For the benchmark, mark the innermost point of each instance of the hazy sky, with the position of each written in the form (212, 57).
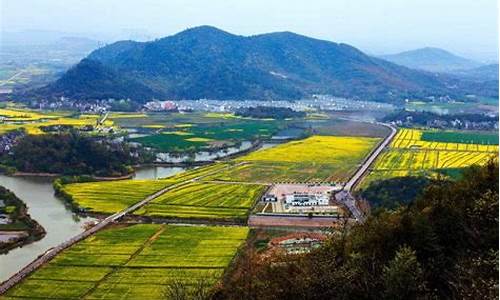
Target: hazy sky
(466, 27)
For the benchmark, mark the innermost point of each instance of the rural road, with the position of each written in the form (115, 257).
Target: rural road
(51, 253)
(345, 196)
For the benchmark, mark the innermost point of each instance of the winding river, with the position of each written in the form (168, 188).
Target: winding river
(58, 220)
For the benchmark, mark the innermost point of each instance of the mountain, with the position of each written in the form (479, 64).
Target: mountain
(432, 60)
(205, 62)
(482, 73)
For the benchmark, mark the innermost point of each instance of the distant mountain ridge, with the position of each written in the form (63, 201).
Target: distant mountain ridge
(432, 60)
(483, 73)
(206, 62)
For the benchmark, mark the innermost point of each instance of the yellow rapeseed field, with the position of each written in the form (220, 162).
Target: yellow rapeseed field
(320, 149)
(32, 121)
(315, 159)
(409, 154)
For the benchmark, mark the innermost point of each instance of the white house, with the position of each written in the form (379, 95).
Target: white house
(307, 199)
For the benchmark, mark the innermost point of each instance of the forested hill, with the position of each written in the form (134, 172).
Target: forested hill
(205, 62)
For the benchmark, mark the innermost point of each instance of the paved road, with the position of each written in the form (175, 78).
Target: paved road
(51, 253)
(345, 195)
(277, 220)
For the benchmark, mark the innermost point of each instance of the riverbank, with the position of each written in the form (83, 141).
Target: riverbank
(17, 228)
(185, 164)
(59, 222)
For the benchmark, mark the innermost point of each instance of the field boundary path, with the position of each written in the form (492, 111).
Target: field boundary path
(51, 253)
(345, 195)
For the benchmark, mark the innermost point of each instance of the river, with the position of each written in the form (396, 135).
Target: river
(59, 222)
(203, 155)
(57, 219)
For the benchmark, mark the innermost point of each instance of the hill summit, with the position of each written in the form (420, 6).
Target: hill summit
(206, 62)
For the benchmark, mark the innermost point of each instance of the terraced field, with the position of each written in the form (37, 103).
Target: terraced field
(315, 159)
(112, 196)
(134, 262)
(206, 201)
(416, 152)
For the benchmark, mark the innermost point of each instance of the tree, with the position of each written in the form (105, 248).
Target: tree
(403, 276)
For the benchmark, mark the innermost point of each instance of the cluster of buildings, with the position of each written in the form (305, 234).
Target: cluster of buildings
(307, 199)
(300, 195)
(161, 106)
(8, 140)
(299, 242)
(300, 198)
(318, 102)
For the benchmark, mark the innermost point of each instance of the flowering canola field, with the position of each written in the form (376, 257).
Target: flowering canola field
(32, 122)
(414, 152)
(314, 159)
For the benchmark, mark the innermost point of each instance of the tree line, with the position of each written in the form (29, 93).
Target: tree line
(71, 153)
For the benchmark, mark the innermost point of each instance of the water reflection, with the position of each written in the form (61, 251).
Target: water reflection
(203, 155)
(156, 172)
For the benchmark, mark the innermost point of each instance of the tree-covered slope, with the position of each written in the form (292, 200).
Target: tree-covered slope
(205, 62)
(444, 245)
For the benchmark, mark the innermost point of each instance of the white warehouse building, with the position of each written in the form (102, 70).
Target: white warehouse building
(307, 199)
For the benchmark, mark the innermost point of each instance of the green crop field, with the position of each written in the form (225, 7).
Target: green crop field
(134, 262)
(112, 196)
(193, 132)
(318, 158)
(206, 201)
(170, 142)
(460, 137)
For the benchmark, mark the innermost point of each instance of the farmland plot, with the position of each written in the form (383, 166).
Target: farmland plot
(416, 152)
(112, 196)
(315, 159)
(139, 261)
(205, 200)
